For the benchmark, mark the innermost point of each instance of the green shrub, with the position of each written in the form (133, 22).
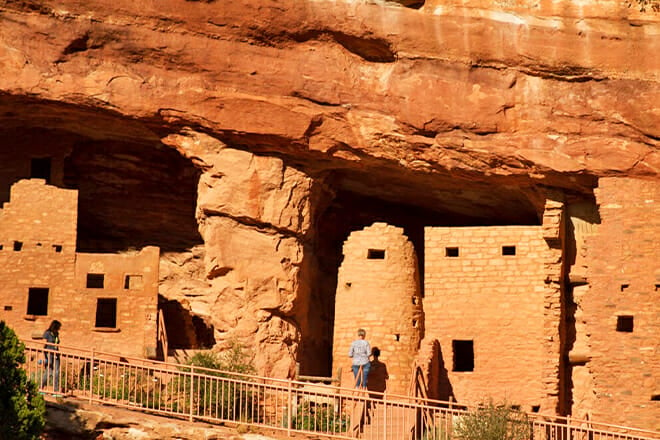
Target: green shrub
(318, 418)
(22, 409)
(218, 398)
(493, 422)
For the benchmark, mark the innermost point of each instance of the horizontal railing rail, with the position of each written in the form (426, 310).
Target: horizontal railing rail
(198, 393)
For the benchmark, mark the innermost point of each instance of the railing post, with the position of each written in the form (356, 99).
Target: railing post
(91, 376)
(289, 409)
(192, 375)
(384, 416)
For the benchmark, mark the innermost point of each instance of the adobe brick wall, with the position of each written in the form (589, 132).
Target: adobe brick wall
(625, 251)
(382, 296)
(41, 217)
(498, 302)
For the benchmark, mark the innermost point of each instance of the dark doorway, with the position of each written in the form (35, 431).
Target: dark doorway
(106, 313)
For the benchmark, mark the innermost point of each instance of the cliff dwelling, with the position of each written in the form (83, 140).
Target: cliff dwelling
(474, 184)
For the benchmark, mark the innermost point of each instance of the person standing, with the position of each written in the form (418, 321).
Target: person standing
(360, 351)
(52, 359)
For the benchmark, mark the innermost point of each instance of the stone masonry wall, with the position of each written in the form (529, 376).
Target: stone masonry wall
(474, 293)
(137, 305)
(378, 290)
(46, 234)
(38, 238)
(621, 306)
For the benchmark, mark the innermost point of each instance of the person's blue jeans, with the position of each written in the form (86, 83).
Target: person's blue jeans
(361, 379)
(52, 376)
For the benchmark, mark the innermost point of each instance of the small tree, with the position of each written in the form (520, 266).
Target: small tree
(22, 409)
(493, 422)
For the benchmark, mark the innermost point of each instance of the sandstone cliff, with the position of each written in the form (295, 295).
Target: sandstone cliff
(247, 138)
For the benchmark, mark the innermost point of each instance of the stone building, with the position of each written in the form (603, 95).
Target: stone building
(378, 290)
(558, 318)
(484, 302)
(105, 301)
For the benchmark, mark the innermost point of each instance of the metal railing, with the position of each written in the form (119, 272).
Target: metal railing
(196, 393)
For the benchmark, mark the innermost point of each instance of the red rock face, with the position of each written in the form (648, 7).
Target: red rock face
(247, 139)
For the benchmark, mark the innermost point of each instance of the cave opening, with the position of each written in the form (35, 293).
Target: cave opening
(133, 191)
(359, 200)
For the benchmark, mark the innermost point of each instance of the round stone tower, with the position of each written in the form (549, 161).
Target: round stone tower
(378, 290)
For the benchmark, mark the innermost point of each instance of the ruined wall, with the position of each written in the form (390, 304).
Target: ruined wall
(620, 307)
(16, 158)
(475, 293)
(378, 290)
(43, 219)
(46, 258)
(131, 279)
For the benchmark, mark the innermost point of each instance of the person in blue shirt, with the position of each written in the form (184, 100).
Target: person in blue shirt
(360, 351)
(52, 359)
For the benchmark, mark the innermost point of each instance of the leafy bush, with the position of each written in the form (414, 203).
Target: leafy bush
(493, 422)
(318, 418)
(22, 409)
(219, 398)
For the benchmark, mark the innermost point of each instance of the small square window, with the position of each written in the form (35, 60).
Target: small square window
(463, 355)
(0, 247)
(18, 245)
(37, 301)
(508, 250)
(624, 287)
(57, 248)
(8, 308)
(624, 323)
(106, 312)
(133, 282)
(95, 280)
(376, 254)
(451, 252)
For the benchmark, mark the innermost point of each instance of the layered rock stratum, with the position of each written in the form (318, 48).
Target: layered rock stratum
(247, 138)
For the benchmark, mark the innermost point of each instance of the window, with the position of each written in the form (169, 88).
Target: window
(106, 312)
(95, 280)
(133, 282)
(40, 168)
(624, 323)
(463, 355)
(37, 301)
(8, 308)
(18, 245)
(451, 252)
(508, 250)
(624, 287)
(376, 254)
(57, 248)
